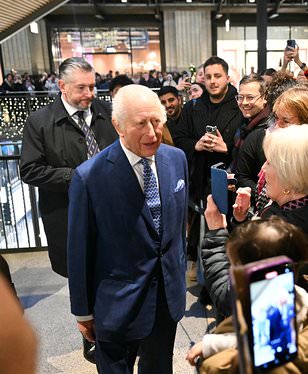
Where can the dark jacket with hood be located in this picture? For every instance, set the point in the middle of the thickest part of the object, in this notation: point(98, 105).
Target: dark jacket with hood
point(191, 127)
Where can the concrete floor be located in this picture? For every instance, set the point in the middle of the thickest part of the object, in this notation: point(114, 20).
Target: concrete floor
point(44, 295)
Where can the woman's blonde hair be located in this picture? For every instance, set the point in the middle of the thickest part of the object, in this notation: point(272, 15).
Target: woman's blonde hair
point(287, 150)
point(294, 99)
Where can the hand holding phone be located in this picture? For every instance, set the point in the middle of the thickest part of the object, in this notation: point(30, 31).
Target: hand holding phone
point(214, 219)
point(205, 143)
point(291, 43)
point(217, 143)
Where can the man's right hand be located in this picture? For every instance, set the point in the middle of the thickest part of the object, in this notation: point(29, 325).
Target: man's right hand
point(205, 143)
point(87, 329)
point(183, 85)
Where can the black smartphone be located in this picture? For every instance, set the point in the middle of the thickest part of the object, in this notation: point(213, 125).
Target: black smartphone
point(219, 186)
point(271, 313)
point(291, 43)
point(211, 129)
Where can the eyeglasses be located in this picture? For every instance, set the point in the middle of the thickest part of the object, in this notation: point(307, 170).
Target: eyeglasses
point(249, 98)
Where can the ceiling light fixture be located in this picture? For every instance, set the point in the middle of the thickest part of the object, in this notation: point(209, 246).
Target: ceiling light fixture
point(34, 27)
point(272, 14)
point(99, 16)
point(219, 13)
point(157, 15)
point(227, 24)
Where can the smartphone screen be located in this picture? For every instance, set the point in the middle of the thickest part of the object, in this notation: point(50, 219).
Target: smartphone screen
point(273, 337)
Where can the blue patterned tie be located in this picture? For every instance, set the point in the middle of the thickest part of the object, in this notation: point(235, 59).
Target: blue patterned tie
point(151, 193)
point(88, 133)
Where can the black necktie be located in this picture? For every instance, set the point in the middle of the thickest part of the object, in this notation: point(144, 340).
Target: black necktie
point(90, 138)
point(151, 193)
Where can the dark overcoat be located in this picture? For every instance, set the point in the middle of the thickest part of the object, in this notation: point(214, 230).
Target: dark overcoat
point(53, 146)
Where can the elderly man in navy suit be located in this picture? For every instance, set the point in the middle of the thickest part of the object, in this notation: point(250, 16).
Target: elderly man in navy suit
point(126, 244)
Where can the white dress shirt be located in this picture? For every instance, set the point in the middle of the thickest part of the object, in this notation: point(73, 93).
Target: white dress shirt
point(134, 160)
point(71, 110)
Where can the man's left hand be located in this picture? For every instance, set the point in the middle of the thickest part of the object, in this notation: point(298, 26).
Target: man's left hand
point(218, 144)
point(87, 329)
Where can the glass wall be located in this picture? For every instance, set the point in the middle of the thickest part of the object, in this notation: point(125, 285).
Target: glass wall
point(126, 50)
point(239, 47)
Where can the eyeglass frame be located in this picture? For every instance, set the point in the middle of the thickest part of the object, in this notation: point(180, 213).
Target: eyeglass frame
point(252, 99)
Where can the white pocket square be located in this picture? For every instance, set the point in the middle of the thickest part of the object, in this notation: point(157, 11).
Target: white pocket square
point(180, 185)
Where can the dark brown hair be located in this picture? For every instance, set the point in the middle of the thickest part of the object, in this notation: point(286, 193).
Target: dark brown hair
point(260, 239)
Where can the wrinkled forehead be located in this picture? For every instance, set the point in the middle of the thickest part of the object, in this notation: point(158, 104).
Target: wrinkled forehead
point(144, 106)
point(79, 76)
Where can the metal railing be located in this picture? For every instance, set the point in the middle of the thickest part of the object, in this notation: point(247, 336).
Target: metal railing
point(20, 225)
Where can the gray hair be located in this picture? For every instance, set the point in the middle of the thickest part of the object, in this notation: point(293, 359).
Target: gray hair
point(134, 93)
point(74, 63)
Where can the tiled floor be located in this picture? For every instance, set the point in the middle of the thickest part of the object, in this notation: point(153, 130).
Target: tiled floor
point(44, 295)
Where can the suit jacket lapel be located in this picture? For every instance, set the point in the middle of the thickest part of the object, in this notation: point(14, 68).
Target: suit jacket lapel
point(127, 179)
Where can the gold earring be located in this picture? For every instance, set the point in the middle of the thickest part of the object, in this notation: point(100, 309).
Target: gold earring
point(286, 191)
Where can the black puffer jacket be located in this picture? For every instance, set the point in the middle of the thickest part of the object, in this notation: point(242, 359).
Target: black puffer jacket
point(216, 263)
point(216, 270)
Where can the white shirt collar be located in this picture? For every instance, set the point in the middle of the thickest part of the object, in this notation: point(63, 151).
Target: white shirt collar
point(71, 110)
point(132, 157)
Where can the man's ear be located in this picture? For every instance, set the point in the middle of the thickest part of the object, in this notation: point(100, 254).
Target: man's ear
point(61, 85)
point(116, 126)
point(228, 78)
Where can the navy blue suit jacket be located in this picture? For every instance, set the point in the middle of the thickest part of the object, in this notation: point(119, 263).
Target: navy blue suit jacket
point(114, 250)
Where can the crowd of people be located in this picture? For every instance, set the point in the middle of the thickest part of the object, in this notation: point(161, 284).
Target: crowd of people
point(15, 82)
point(114, 200)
